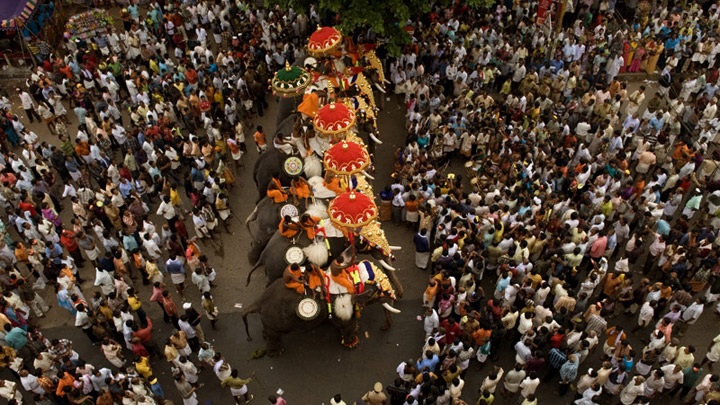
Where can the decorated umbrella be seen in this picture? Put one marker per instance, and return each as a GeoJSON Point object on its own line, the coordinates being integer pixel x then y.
{"type": "Point", "coordinates": [324, 40]}
{"type": "Point", "coordinates": [346, 158]}
{"type": "Point", "coordinates": [14, 13]}
{"type": "Point", "coordinates": [290, 81]}
{"type": "Point", "coordinates": [333, 119]}
{"type": "Point", "coordinates": [352, 210]}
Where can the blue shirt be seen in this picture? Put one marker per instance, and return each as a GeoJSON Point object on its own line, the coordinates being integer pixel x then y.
{"type": "Point", "coordinates": [125, 188]}
{"type": "Point", "coordinates": [656, 123]}
{"type": "Point", "coordinates": [54, 252]}
{"type": "Point", "coordinates": [107, 264]}
{"type": "Point", "coordinates": [430, 363]}
{"type": "Point", "coordinates": [174, 266]}
{"type": "Point", "coordinates": [556, 358]}
{"type": "Point", "coordinates": [129, 243]}
{"type": "Point", "coordinates": [556, 65]}
{"type": "Point", "coordinates": [16, 338]}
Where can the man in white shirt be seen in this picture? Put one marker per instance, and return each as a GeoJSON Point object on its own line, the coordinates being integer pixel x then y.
{"type": "Point", "coordinates": [28, 105]}
{"type": "Point", "coordinates": [167, 210]}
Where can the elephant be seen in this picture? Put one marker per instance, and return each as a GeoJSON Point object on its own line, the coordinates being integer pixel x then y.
{"type": "Point", "coordinates": [273, 256]}
{"type": "Point", "coordinates": [277, 307]}
{"type": "Point", "coordinates": [265, 219]}
{"type": "Point", "coordinates": [271, 160]}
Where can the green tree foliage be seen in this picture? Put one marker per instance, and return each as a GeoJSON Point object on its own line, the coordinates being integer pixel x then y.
{"type": "Point", "coordinates": [385, 17]}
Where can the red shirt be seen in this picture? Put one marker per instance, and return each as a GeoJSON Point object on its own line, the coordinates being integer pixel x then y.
{"type": "Point", "coordinates": [145, 334]}
{"type": "Point", "coordinates": [181, 229]}
{"type": "Point", "coordinates": [26, 206]}
{"type": "Point", "coordinates": [67, 239]}
{"type": "Point", "coordinates": [451, 331]}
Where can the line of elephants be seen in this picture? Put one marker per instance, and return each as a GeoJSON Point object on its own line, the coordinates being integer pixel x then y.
{"type": "Point", "coordinates": [278, 304]}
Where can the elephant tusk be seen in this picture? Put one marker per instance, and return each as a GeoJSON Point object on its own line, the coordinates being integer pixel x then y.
{"type": "Point", "coordinates": [393, 247]}
{"type": "Point", "coordinates": [380, 88]}
{"type": "Point", "coordinates": [374, 138]}
{"type": "Point", "coordinates": [368, 175]}
{"type": "Point", "coordinates": [390, 308]}
{"type": "Point", "coordinates": [386, 266]}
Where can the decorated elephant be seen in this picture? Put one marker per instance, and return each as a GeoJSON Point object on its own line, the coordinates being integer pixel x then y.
{"type": "Point", "coordinates": [274, 256]}
{"type": "Point", "coordinates": [284, 310]}
{"type": "Point", "coordinates": [263, 221]}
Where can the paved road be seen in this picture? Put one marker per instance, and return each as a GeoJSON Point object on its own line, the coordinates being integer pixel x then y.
{"type": "Point", "coordinates": [315, 366]}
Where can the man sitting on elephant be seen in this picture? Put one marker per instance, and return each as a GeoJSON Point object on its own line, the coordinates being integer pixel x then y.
{"type": "Point", "coordinates": [300, 189]}
{"type": "Point", "coordinates": [302, 282]}
{"type": "Point", "coordinates": [340, 275]}
{"type": "Point", "coordinates": [289, 228]}
{"type": "Point", "coordinates": [308, 223]}
{"type": "Point", "coordinates": [282, 144]}
{"type": "Point", "coordinates": [275, 190]}
{"type": "Point", "coordinates": [333, 183]}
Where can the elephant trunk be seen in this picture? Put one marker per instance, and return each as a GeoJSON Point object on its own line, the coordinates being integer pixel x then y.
{"type": "Point", "coordinates": [395, 281]}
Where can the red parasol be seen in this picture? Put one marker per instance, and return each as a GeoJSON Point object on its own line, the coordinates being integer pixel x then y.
{"type": "Point", "coordinates": [352, 210]}
{"type": "Point", "coordinates": [333, 119]}
{"type": "Point", "coordinates": [346, 158]}
{"type": "Point", "coordinates": [324, 40]}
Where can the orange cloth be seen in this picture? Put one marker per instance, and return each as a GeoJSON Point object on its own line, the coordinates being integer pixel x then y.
{"type": "Point", "coordinates": [291, 283]}
{"type": "Point", "coordinates": [259, 138]}
{"type": "Point", "coordinates": [412, 206]}
{"type": "Point", "coordinates": [277, 193]}
{"type": "Point", "coordinates": [67, 379]}
{"type": "Point", "coordinates": [311, 277]}
{"type": "Point", "coordinates": [301, 189]}
{"type": "Point", "coordinates": [310, 104]}
{"type": "Point", "coordinates": [335, 186]}
{"type": "Point", "coordinates": [344, 280]}
{"type": "Point", "coordinates": [277, 196]}
{"type": "Point", "coordinates": [315, 280]}
{"type": "Point", "coordinates": [309, 226]}
{"type": "Point", "coordinates": [288, 230]}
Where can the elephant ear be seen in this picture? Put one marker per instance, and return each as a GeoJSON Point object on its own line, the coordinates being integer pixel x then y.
{"type": "Point", "coordinates": [362, 299]}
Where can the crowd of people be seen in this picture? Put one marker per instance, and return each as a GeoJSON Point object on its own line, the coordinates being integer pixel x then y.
{"type": "Point", "coordinates": [585, 207]}
{"type": "Point", "coordinates": [79, 203]}
{"type": "Point", "coordinates": [586, 213]}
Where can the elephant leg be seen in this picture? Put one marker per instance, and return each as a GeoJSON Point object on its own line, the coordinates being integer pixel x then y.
{"type": "Point", "coordinates": [388, 320]}
{"type": "Point", "coordinates": [274, 345]}
{"type": "Point", "coordinates": [349, 334]}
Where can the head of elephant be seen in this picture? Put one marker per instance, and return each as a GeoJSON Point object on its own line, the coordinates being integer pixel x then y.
{"type": "Point", "coordinates": [347, 258]}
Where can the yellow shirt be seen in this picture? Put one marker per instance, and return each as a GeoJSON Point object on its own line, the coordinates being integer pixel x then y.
{"type": "Point", "coordinates": [143, 367]}
{"type": "Point", "coordinates": [134, 303]}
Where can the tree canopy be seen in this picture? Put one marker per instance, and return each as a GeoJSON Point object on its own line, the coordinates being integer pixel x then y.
{"type": "Point", "coordinates": [385, 17]}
